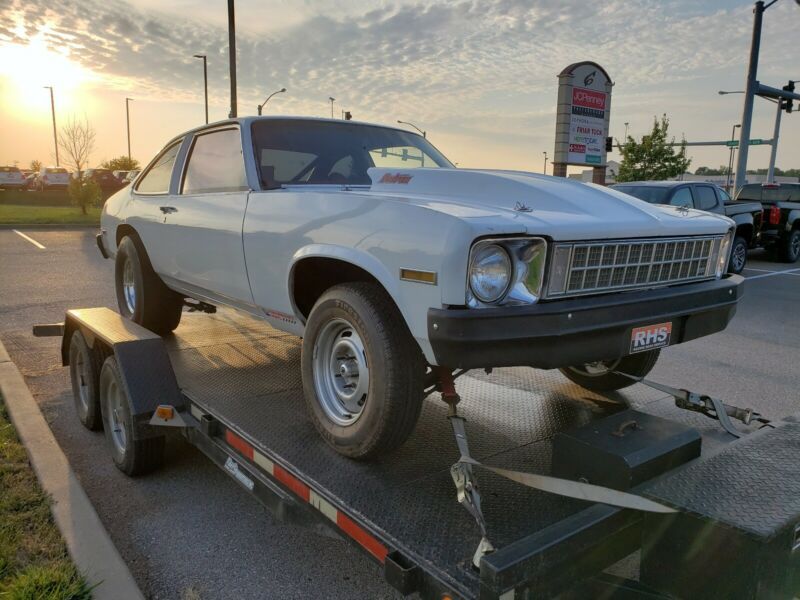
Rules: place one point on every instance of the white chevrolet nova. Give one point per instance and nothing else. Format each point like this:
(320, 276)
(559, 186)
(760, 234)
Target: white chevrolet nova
(397, 268)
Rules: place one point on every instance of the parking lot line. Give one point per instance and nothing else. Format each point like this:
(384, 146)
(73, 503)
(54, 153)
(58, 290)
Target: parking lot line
(30, 239)
(771, 273)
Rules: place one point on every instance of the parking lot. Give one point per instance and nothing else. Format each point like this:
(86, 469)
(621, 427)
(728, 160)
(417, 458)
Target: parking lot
(242, 551)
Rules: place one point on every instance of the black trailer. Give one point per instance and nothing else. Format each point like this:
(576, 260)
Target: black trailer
(232, 386)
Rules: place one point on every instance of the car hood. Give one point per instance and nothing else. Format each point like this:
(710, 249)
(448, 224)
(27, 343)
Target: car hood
(519, 202)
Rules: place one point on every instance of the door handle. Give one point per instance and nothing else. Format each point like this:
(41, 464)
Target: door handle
(167, 209)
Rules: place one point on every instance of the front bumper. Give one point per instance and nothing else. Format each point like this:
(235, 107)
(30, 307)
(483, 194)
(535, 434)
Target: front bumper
(580, 330)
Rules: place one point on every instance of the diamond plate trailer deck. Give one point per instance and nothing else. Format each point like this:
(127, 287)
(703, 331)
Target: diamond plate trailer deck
(241, 398)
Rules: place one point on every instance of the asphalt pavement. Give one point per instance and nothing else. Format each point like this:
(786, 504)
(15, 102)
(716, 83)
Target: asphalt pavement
(189, 531)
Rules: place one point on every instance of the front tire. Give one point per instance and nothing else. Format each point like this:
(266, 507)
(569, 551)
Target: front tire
(362, 371)
(141, 295)
(738, 258)
(598, 376)
(790, 247)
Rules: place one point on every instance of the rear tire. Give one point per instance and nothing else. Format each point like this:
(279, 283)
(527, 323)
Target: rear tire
(362, 371)
(84, 373)
(141, 295)
(132, 456)
(597, 376)
(738, 258)
(790, 247)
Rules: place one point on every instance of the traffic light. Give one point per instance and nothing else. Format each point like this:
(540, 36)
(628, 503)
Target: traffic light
(347, 115)
(788, 104)
(609, 144)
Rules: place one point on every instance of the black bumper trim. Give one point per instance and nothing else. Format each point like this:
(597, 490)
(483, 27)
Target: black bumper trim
(99, 239)
(574, 331)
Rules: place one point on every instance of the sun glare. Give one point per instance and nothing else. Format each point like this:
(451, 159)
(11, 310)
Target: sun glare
(27, 68)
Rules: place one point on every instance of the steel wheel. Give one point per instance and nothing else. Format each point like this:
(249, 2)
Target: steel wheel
(341, 373)
(129, 286)
(738, 258)
(598, 368)
(116, 415)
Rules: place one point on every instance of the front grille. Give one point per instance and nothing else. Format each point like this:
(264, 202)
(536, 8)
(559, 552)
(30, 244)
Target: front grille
(594, 267)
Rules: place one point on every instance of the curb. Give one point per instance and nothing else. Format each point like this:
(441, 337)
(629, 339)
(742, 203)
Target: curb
(87, 540)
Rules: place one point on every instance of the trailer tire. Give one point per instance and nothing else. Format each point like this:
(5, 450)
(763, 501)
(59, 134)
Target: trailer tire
(597, 377)
(84, 373)
(790, 246)
(356, 333)
(141, 295)
(738, 258)
(132, 455)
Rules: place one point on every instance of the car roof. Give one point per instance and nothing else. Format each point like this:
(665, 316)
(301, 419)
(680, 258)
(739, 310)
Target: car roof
(669, 183)
(246, 121)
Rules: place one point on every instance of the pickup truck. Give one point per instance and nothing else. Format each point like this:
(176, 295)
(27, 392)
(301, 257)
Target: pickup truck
(711, 198)
(781, 228)
(397, 269)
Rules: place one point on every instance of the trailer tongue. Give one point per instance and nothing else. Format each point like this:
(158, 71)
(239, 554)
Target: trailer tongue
(724, 522)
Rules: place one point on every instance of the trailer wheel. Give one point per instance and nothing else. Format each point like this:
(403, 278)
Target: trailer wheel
(362, 371)
(132, 456)
(790, 247)
(598, 376)
(84, 373)
(738, 257)
(141, 295)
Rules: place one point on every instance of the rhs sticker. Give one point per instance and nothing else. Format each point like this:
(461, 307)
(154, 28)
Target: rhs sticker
(650, 337)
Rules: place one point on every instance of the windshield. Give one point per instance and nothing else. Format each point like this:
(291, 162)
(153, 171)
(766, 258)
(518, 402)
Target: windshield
(648, 193)
(778, 193)
(321, 152)
(9, 169)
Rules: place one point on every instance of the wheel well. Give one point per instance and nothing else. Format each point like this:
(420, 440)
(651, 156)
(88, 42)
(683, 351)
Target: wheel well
(745, 231)
(123, 230)
(312, 276)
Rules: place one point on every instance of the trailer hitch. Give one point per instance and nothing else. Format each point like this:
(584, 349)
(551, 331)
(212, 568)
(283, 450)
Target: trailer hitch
(708, 406)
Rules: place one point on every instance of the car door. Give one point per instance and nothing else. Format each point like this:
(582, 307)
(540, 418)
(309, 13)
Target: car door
(705, 198)
(150, 197)
(204, 220)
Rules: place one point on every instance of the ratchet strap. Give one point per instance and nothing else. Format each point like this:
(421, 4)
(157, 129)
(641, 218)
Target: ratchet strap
(575, 489)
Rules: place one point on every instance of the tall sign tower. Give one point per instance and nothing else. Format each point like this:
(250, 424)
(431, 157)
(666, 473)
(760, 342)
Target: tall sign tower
(584, 103)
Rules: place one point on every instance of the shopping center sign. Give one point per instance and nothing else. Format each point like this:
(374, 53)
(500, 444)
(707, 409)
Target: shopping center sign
(584, 99)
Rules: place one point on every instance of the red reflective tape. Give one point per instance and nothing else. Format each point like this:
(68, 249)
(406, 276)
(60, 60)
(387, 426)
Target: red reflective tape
(236, 442)
(292, 482)
(355, 531)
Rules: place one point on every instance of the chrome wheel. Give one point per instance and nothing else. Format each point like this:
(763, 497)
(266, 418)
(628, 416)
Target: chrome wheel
(598, 368)
(739, 257)
(129, 286)
(84, 378)
(115, 398)
(341, 373)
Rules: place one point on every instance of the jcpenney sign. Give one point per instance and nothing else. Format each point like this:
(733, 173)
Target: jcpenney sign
(588, 98)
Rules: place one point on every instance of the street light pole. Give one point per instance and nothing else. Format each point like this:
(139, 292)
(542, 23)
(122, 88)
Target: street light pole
(205, 80)
(774, 151)
(424, 134)
(730, 158)
(626, 133)
(751, 86)
(544, 170)
(53, 111)
(260, 106)
(232, 56)
(332, 99)
(128, 121)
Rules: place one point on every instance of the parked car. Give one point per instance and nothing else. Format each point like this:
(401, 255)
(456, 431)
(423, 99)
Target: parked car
(333, 231)
(131, 176)
(11, 178)
(104, 178)
(120, 175)
(52, 178)
(781, 228)
(708, 197)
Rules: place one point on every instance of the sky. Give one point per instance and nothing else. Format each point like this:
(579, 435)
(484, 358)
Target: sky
(480, 76)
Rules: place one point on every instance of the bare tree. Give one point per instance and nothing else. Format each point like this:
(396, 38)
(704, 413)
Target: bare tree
(36, 165)
(77, 143)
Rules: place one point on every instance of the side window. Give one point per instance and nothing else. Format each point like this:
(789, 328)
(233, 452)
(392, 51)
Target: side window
(156, 179)
(706, 198)
(682, 197)
(215, 164)
(723, 195)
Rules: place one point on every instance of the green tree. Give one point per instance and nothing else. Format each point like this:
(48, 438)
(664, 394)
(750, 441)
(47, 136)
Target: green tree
(652, 158)
(121, 163)
(723, 170)
(36, 165)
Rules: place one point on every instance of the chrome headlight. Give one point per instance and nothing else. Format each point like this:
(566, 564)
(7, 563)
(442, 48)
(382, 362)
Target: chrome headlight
(724, 255)
(490, 272)
(506, 271)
